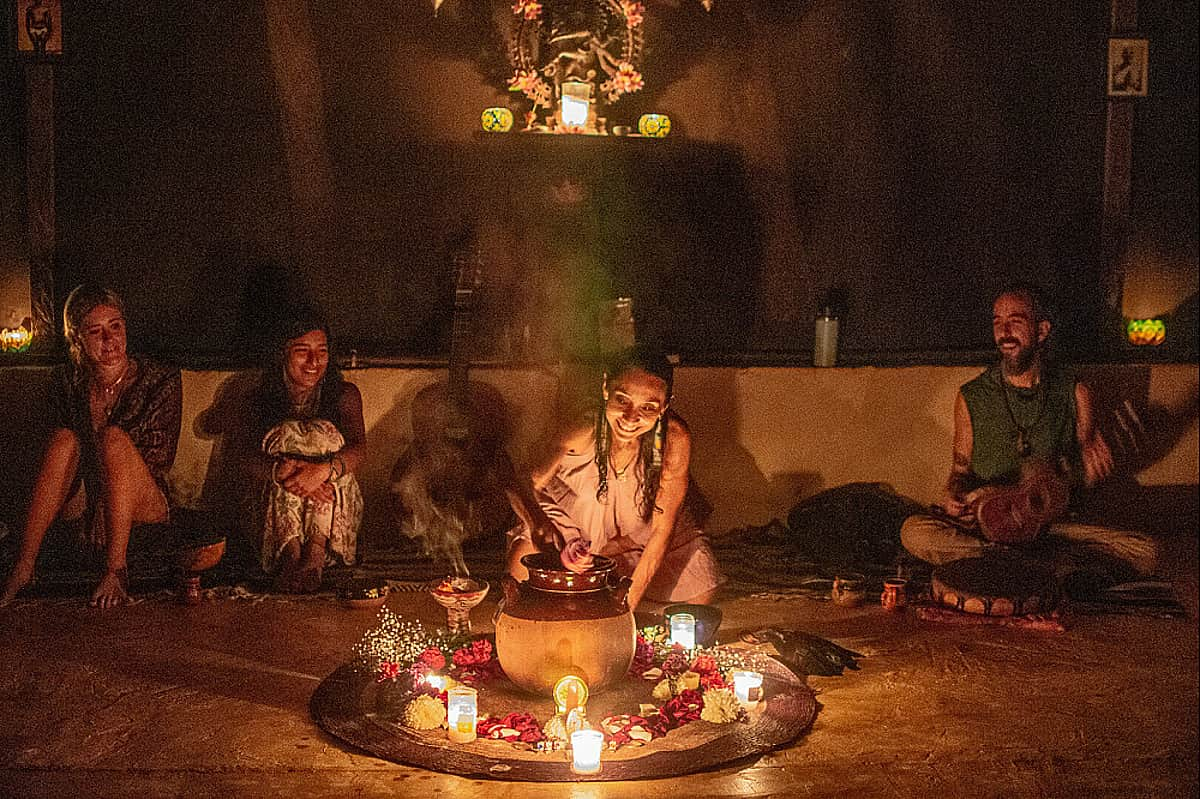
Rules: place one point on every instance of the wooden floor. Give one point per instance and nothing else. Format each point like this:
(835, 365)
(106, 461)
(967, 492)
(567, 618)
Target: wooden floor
(157, 699)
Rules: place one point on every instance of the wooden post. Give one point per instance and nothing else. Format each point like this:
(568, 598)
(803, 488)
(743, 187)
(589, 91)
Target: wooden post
(1118, 166)
(39, 174)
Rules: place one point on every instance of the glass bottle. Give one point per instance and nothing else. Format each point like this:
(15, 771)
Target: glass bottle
(825, 338)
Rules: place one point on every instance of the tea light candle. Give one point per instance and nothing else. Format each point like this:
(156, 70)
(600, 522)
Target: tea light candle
(747, 686)
(460, 714)
(436, 681)
(683, 630)
(585, 749)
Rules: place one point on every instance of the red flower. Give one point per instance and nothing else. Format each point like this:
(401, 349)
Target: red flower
(476, 653)
(388, 670)
(681, 709)
(704, 664)
(677, 662)
(433, 658)
(643, 657)
(512, 727)
(713, 680)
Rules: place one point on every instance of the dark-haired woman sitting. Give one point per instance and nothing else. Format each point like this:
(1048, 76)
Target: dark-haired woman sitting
(116, 420)
(308, 506)
(615, 483)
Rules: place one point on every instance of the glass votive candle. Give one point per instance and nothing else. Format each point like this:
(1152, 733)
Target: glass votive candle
(461, 714)
(683, 630)
(585, 751)
(747, 686)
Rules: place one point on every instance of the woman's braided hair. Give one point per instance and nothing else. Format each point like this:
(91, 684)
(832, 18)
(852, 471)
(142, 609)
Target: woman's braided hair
(652, 444)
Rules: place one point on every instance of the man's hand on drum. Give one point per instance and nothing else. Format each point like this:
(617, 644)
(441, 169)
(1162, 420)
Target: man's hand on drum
(1097, 460)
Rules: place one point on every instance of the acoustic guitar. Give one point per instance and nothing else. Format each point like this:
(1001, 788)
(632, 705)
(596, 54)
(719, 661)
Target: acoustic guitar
(448, 486)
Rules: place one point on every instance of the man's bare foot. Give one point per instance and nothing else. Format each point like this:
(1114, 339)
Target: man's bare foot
(312, 565)
(20, 576)
(112, 590)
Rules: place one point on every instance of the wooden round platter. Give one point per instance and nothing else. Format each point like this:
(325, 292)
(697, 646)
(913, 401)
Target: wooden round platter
(351, 705)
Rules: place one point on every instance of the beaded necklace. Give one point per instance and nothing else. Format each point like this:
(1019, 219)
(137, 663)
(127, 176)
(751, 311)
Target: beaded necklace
(1020, 432)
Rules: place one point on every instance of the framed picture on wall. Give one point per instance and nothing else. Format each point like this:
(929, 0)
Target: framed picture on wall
(37, 27)
(1128, 67)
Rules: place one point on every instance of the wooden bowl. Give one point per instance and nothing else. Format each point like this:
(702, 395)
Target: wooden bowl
(364, 594)
(196, 559)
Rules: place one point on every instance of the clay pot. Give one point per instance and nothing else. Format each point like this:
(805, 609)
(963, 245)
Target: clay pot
(559, 622)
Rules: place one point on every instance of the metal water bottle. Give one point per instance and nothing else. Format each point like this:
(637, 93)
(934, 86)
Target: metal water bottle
(825, 338)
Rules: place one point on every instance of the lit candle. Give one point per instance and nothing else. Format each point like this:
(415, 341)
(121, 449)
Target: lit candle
(585, 749)
(575, 103)
(15, 339)
(570, 692)
(460, 714)
(436, 682)
(683, 630)
(747, 686)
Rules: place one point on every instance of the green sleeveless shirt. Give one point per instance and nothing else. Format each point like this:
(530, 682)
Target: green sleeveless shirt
(1046, 414)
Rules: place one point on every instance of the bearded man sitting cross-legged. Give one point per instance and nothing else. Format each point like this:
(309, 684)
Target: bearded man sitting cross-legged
(1026, 422)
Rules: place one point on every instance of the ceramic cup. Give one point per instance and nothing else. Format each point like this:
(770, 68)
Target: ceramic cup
(895, 593)
(849, 589)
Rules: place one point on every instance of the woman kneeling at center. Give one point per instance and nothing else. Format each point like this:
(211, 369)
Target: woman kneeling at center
(616, 483)
(308, 506)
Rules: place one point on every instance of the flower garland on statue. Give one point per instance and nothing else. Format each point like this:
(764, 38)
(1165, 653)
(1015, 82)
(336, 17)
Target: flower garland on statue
(689, 685)
(623, 70)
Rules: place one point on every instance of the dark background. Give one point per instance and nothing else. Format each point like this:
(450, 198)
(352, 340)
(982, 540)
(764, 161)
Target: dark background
(903, 158)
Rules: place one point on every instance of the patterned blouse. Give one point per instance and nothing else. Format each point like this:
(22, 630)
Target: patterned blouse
(148, 410)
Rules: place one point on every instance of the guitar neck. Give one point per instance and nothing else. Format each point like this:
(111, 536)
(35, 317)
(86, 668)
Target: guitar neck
(460, 338)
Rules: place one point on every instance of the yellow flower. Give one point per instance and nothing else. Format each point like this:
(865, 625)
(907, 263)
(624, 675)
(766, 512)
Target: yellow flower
(424, 713)
(720, 706)
(688, 681)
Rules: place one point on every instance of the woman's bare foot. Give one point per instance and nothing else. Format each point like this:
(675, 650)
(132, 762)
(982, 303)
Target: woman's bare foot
(112, 591)
(288, 576)
(311, 566)
(20, 576)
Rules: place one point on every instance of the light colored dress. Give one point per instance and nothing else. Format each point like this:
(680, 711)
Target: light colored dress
(287, 516)
(615, 527)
